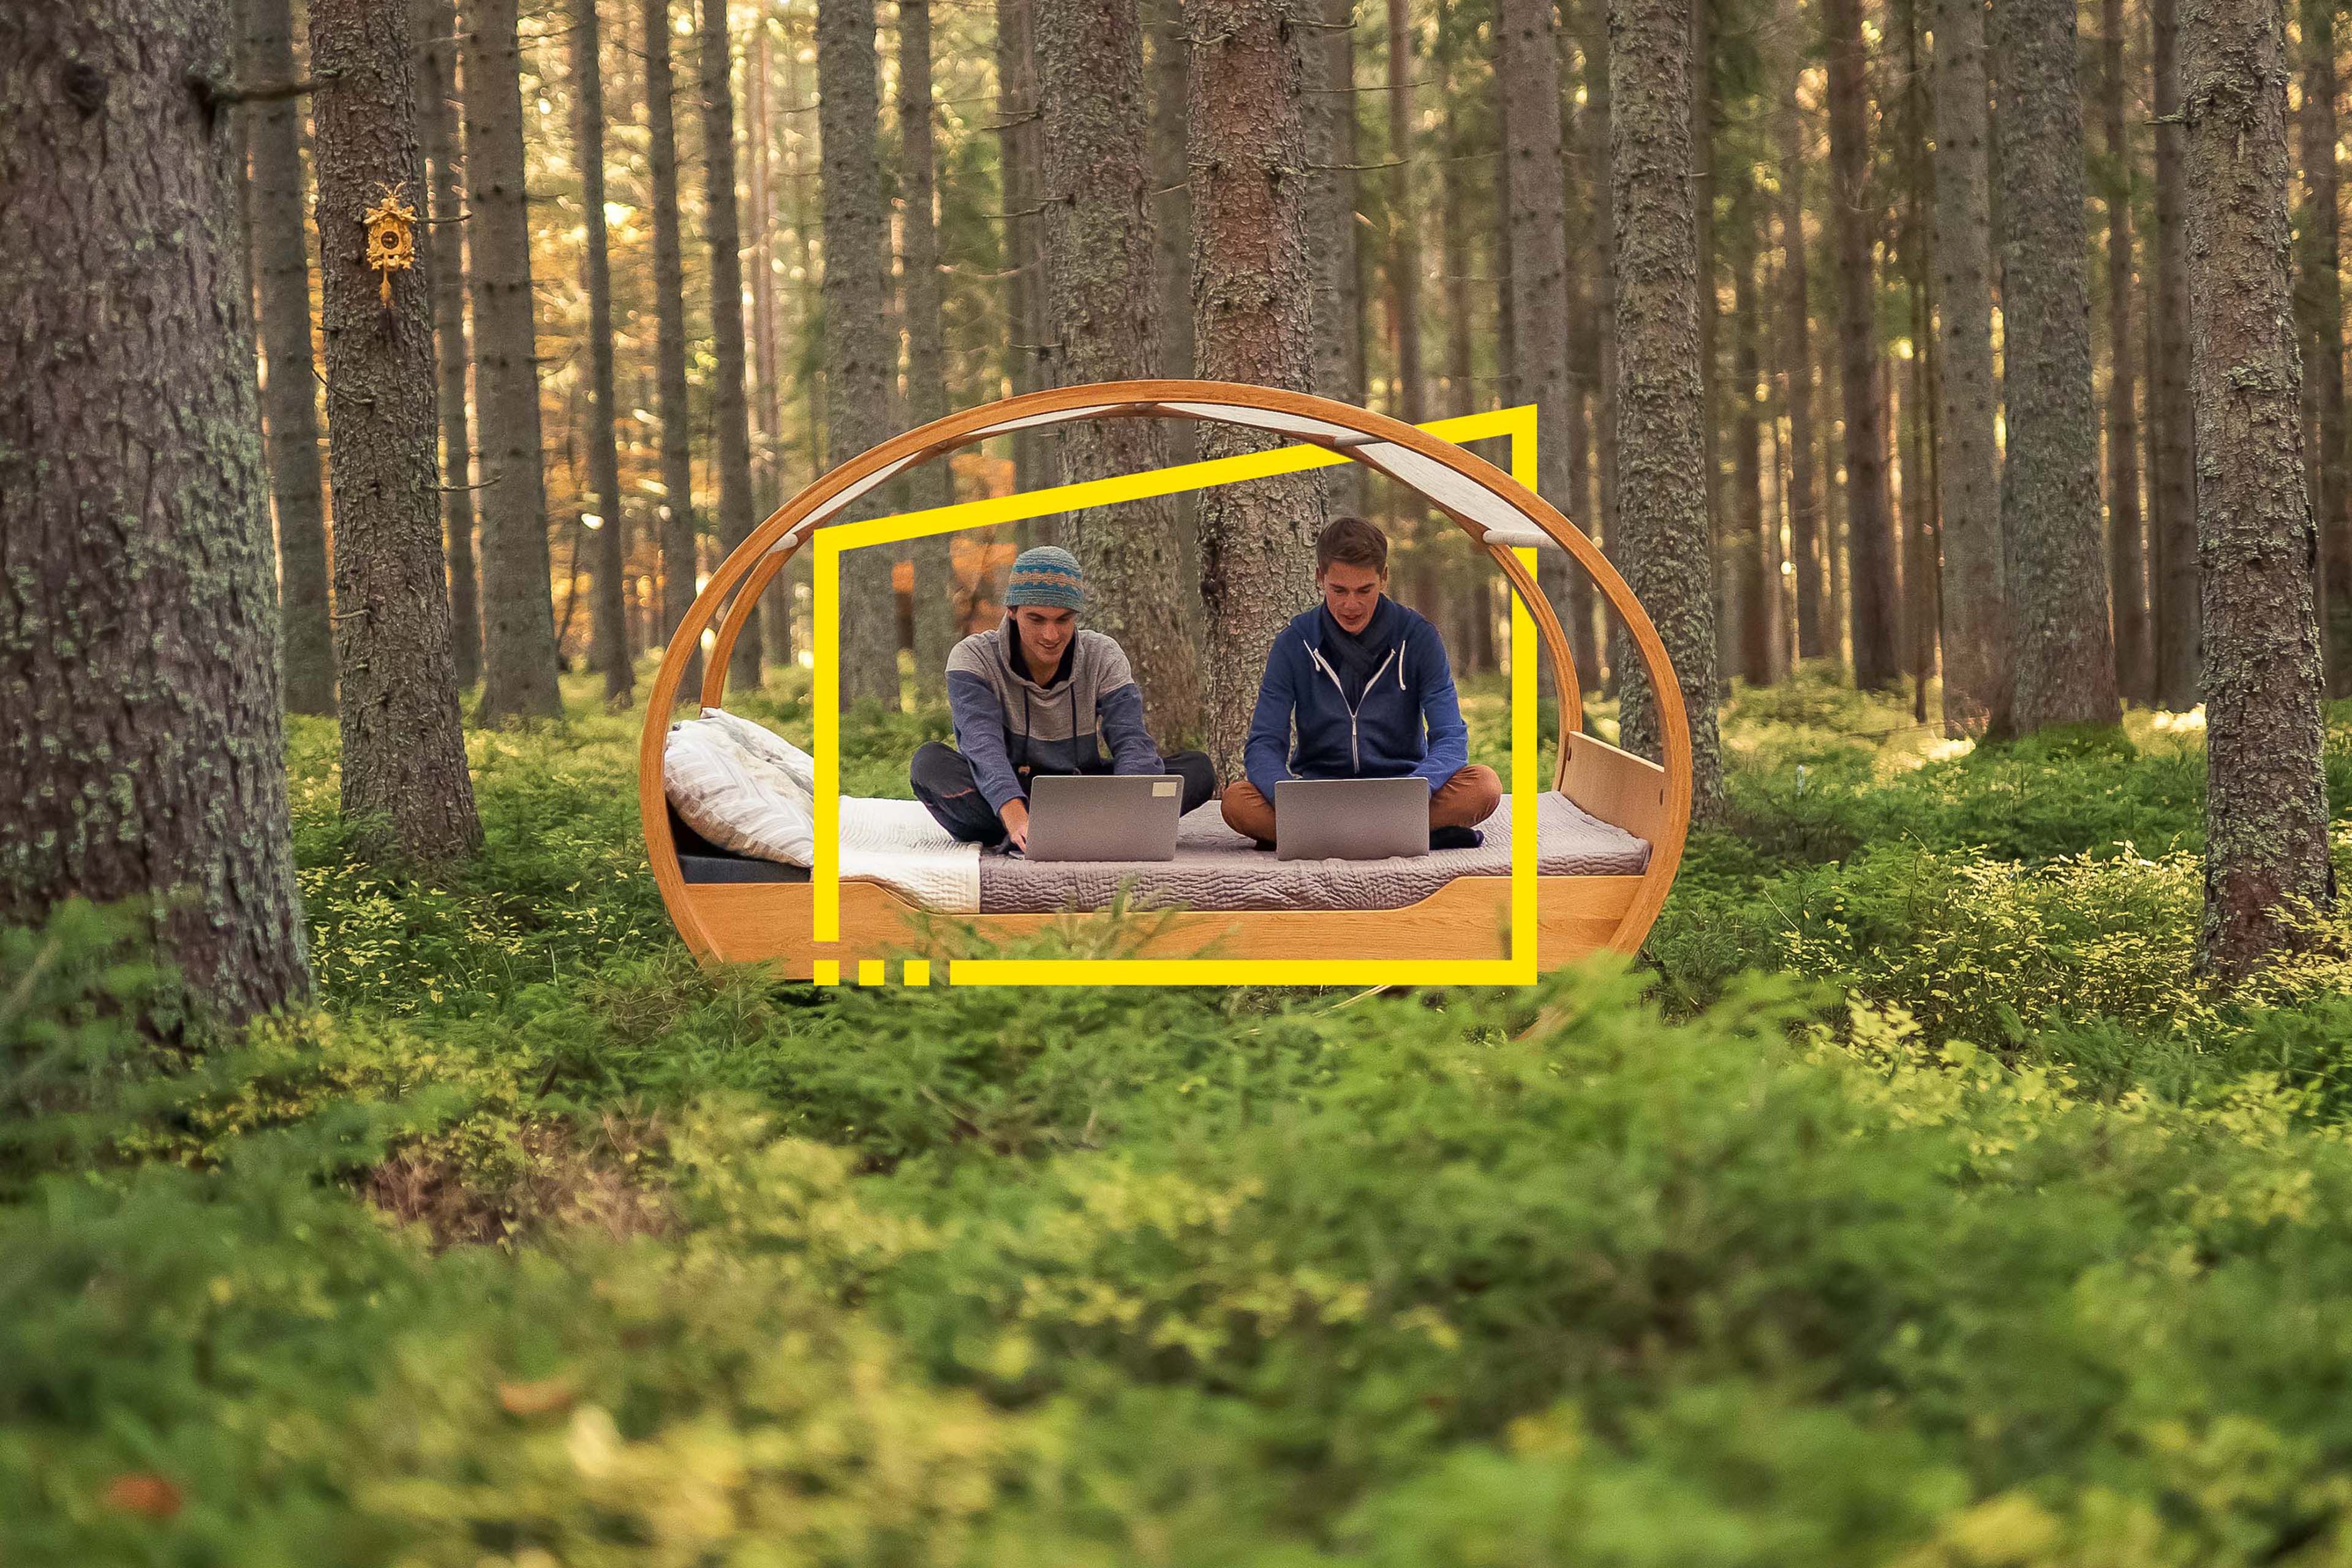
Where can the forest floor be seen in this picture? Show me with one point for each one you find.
(1912, 1201)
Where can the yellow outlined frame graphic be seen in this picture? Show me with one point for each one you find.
(828, 544)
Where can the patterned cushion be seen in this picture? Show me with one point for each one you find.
(735, 798)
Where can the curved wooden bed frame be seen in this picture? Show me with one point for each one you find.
(1468, 918)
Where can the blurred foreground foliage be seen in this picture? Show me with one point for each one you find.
(1912, 1203)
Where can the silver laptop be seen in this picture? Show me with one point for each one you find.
(1104, 816)
(1351, 819)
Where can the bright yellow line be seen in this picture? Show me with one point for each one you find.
(919, 972)
(826, 696)
(826, 972)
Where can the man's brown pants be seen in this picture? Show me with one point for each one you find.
(1467, 799)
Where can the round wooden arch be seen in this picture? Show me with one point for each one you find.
(739, 582)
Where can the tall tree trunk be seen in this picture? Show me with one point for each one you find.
(2126, 529)
(1877, 664)
(1404, 237)
(931, 484)
(404, 751)
(1710, 368)
(2062, 654)
(678, 564)
(608, 633)
(1252, 315)
(2319, 307)
(1102, 295)
(519, 674)
(767, 394)
(143, 758)
(290, 398)
(2266, 791)
(859, 356)
(807, 314)
(444, 244)
(1172, 209)
(1660, 541)
(1538, 345)
(1016, 118)
(730, 411)
(1598, 155)
(1976, 636)
(1453, 215)
(1329, 109)
(2173, 592)
(1569, 586)
(1806, 532)
(1921, 533)
(1759, 622)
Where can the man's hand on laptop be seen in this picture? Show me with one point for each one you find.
(1015, 813)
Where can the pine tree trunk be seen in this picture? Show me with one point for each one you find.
(1805, 524)
(931, 484)
(2267, 790)
(608, 633)
(2061, 654)
(518, 662)
(143, 756)
(1252, 315)
(2126, 529)
(680, 567)
(1331, 220)
(404, 751)
(445, 241)
(2319, 307)
(1757, 622)
(1710, 368)
(1528, 78)
(1975, 684)
(1660, 541)
(1406, 402)
(1017, 118)
(860, 358)
(1921, 533)
(1101, 309)
(729, 410)
(1172, 209)
(2173, 591)
(1598, 156)
(290, 398)
(1454, 215)
(1872, 600)
(1569, 586)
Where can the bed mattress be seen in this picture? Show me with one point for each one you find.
(1217, 869)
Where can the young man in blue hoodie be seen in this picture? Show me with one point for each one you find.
(1038, 696)
(1365, 683)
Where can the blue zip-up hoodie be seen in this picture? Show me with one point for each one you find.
(1407, 722)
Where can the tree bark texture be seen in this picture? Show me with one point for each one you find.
(860, 358)
(1710, 366)
(2061, 652)
(1870, 548)
(731, 409)
(2266, 792)
(1253, 321)
(1331, 204)
(404, 742)
(2319, 305)
(1598, 152)
(1102, 298)
(444, 242)
(1536, 195)
(143, 756)
(1407, 397)
(1975, 617)
(1016, 118)
(1454, 213)
(608, 649)
(2173, 592)
(519, 649)
(930, 484)
(1805, 523)
(2126, 526)
(1759, 627)
(680, 567)
(1660, 541)
(759, 184)
(290, 398)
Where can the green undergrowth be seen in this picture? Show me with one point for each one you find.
(1913, 1202)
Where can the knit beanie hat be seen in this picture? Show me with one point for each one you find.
(1047, 576)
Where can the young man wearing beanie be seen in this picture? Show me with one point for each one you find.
(1038, 696)
(1366, 684)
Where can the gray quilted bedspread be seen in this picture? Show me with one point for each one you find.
(1216, 868)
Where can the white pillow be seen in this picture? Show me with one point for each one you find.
(735, 799)
(770, 747)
